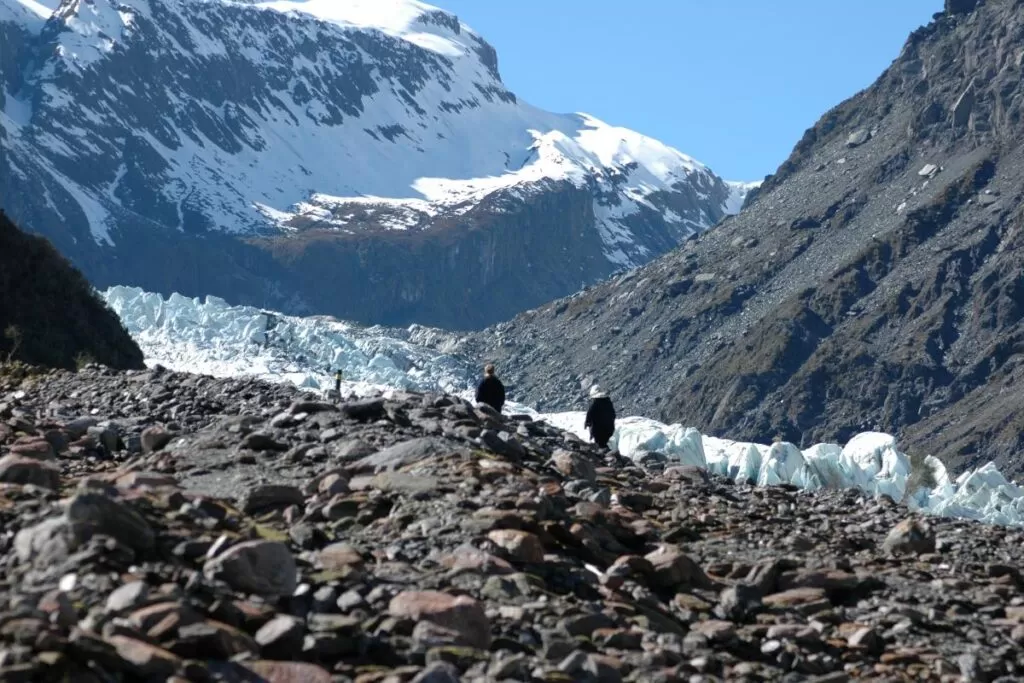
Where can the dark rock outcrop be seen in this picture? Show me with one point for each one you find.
(49, 314)
(877, 286)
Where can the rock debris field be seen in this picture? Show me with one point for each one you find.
(157, 526)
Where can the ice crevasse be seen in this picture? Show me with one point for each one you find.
(871, 462)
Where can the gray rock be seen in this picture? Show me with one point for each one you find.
(260, 567)
(95, 513)
(401, 455)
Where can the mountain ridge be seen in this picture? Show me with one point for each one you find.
(354, 131)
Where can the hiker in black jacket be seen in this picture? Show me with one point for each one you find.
(600, 417)
(491, 391)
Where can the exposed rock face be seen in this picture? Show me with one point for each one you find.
(363, 160)
(144, 566)
(875, 281)
(49, 314)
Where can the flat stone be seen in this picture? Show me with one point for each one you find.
(401, 455)
(281, 637)
(338, 556)
(795, 596)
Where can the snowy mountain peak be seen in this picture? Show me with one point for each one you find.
(311, 127)
(423, 25)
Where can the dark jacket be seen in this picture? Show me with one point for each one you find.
(601, 419)
(492, 392)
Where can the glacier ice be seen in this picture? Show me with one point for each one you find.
(215, 338)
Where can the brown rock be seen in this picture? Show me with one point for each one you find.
(573, 466)
(461, 614)
(673, 569)
(521, 546)
(146, 660)
(288, 672)
(34, 447)
(473, 559)
(135, 480)
(339, 556)
(17, 469)
(796, 596)
(911, 537)
(155, 438)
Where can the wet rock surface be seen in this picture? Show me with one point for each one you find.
(429, 553)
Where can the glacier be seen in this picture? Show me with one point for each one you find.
(211, 337)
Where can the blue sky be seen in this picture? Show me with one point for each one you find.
(733, 83)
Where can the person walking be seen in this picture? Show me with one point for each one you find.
(491, 391)
(337, 382)
(600, 417)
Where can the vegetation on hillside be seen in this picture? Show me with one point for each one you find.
(49, 314)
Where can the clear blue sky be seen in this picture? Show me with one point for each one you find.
(732, 83)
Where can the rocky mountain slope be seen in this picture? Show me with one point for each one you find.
(875, 281)
(49, 314)
(360, 159)
(159, 525)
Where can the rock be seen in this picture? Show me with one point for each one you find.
(461, 614)
(127, 596)
(155, 438)
(46, 543)
(400, 455)
(438, 672)
(271, 497)
(17, 469)
(364, 411)
(866, 638)
(95, 513)
(521, 546)
(960, 6)
(145, 660)
(339, 556)
(262, 441)
(260, 567)
(281, 637)
(911, 536)
(858, 138)
(288, 672)
(737, 602)
(673, 569)
(574, 466)
(796, 596)
(36, 448)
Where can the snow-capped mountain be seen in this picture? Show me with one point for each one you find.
(211, 337)
(361, 158)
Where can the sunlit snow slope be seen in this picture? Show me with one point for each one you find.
(212, 337)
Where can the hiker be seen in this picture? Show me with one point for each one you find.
(491, 391)
(600, 417)
(337, 382)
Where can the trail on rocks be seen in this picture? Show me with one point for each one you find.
(158, 524)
